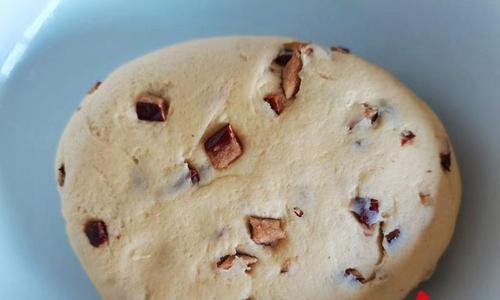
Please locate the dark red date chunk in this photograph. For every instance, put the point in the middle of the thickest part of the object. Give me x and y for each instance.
(365, 210)
(151, 108)
(94, 87)
(223, 147)
(354, 274)
(284, 56)
(287, 51)
(276, 101)
(371, 113)
(61, 175)
(290, 80)
(298, 212)
(194, 176)
(393, 235)
(445, 161)
(96, 232)
(266, 231)
(407, 137)
(226, 262)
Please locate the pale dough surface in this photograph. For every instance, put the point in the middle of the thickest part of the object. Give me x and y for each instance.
(167, 235)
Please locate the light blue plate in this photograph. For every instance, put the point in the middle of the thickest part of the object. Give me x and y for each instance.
(52, 51)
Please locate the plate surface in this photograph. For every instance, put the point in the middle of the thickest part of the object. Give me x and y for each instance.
(51, 51)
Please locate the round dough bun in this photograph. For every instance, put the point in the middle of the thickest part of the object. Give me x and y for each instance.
(256, 168)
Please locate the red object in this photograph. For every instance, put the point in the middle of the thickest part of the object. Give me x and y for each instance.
(421, 295)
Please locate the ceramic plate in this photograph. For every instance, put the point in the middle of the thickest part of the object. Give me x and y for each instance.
(51, 51)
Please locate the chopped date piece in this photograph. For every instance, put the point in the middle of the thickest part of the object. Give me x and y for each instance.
(407, 137)
(248, 260)
(299, 212)
(354, 274)
(285, 267)
(365, 210)
(94, 87)
(151, 108)
(223, 147)
(425, 199)
(290, 79)
(393, 235)
(296, 45)
(193, 174)
(371, 113)
(61, 175)
(266, 231)
(446, 161)
(276, 101)
(287, 52)
(340, 49)
(96, 232)
(227, 261)
(283, 57)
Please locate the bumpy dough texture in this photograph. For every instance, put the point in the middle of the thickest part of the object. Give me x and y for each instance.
(166, 235)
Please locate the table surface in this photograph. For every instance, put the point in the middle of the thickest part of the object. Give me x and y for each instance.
(51, 51)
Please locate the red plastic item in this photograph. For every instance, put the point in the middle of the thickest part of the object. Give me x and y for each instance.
(421, 295)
